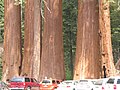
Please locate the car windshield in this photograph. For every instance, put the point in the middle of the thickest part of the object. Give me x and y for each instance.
(83, 81)
(118, 81)
(67, 82)
(46, 81)
(93, 82)
(17, 80)
(111, 81)
(99, 82)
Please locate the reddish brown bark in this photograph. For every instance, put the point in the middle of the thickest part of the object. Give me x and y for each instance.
(37, 39)
(52, 62)
(12, 40)
(28, 37)
(87, 51)
(105, 32)
(31, 61)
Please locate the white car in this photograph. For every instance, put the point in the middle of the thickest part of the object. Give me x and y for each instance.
(67, 85)
(113, 83)
(85, 84)
(100, 83)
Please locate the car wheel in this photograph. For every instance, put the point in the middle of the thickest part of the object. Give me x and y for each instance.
(28, 88)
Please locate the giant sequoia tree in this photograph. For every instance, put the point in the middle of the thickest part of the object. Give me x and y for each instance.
(52, 63)
(12, 40)
(37, 39)
(87, 51)
(32, 48)
(105, 40)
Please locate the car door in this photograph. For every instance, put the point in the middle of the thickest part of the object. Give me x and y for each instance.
(34, 82)
(28, 82)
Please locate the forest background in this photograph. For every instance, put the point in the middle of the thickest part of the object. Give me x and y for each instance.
(69, 31)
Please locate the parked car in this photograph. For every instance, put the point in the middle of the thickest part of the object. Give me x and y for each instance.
(67, 85)
(113, 83)
(49, 84)
(85, 84)
(22, 83)
(100, 83)
(3, 86)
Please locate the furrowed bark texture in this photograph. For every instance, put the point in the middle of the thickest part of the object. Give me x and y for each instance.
(52, 61)
(87, 51)
(12, 40)
(37, 39)
(106, 45)
(32, 48)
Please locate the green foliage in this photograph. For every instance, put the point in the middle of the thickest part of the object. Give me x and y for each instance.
(68, 73)
(17, 2)
(115, 26)
(1, 31)
(1, 20)
(69, 31)
(0, 68)
(22, 20)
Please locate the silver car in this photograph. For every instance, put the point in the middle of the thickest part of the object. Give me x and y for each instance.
(113, 83)
(85, 84)
(67, 85)
(100, 83)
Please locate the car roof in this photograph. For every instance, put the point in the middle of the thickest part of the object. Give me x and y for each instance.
(67, 81)
(21, 77)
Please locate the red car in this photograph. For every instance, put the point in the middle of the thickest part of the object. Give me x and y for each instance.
(23, 83)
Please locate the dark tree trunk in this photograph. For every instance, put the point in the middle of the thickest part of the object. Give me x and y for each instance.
(71, 54)
(37, 39)
(12, 40)
(52, 61)
(32, 47)
(105, 40)
(87, 51)
(28, 38)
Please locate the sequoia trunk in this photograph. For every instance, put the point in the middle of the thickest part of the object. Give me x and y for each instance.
(32, 48)
(52, 61)
(106, 45)
(87, 51)
(12, 40)
(37, 39)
